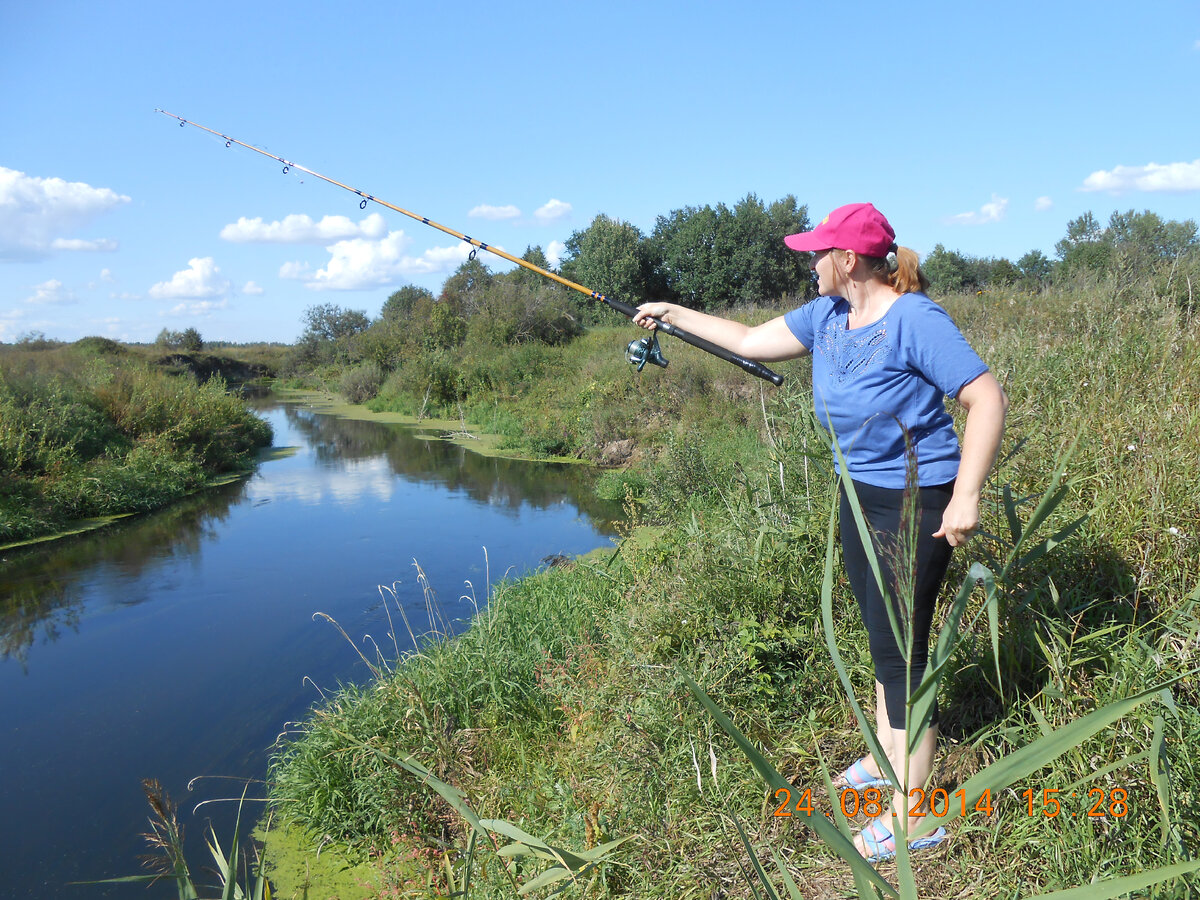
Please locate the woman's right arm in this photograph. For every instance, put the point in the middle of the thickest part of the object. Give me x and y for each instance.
(768, 342)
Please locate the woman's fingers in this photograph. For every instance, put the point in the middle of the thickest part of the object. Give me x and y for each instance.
(959, 522)
(647, 312)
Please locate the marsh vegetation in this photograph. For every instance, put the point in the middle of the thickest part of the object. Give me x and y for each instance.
(96, 429)
(565, 708)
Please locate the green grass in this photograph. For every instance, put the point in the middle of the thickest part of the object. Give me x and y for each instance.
(93, 430)
(565, 709)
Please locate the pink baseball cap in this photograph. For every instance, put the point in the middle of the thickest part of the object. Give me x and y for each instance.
(856, 226)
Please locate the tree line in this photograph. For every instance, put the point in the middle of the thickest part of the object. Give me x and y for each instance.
(1133, 246)
(709, 258)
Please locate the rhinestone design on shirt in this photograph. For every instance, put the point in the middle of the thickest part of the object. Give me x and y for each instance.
(850, 354)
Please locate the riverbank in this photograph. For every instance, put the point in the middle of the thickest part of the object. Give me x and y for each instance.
(563, 710)
(470, 436)
(93, 432)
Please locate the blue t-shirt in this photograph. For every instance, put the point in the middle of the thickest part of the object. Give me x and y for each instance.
(868, 382)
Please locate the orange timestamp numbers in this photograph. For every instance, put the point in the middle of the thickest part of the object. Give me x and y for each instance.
(941, 803)
(1113, 803)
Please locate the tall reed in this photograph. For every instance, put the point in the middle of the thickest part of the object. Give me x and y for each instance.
(976, 794)
(565, 709)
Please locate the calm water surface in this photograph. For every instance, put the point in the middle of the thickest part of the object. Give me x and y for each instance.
(179, 644)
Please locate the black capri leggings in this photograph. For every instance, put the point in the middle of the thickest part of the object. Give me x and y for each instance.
(882, 509)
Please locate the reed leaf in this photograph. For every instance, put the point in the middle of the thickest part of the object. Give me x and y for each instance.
(923, 697)
(861, 883)
(867, 540)
(553, 875)
(792, 888)
(1159, 778)
(1010, 514)
(907, 881)
(1028, 759)
(828, 832)
(768, 888)
(1120, 887)
(469, 866)
(992, 605)
(226, 866)
(1052, 497)
(868, 732)
(1051, 542)
(567, 863)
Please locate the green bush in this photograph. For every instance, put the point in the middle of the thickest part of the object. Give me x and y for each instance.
(617, 484)
(361, 383)
(87, 431)
(100, 345)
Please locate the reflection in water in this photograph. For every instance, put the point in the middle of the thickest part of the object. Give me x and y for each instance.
(504, 483)
(40, 591)
(178, 644)
(39, 586)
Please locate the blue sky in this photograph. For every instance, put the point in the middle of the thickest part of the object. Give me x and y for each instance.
(985, 127)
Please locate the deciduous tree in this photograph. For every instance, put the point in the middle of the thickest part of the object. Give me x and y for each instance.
(1035, 268)
(948, 270)
(329, 322)
(613, 258)
(399, 306)
(1086, 248)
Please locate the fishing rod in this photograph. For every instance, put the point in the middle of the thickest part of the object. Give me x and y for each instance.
(639, 352)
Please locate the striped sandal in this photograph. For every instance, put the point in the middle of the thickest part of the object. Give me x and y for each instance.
(858, 778)
(880, 844)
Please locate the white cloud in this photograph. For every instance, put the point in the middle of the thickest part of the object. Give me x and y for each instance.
(362, 264)
(51, 292)
(9, 323)
(295, 271)
(554, 252)
(441, 259)
(986, 214)
(495, 213)
(201, 308)
(100, 245)
(37, 214)
(252, 289)
(1173, 177)
(1041, 204)
(112, 325)
(107, 277)
(346, 485)
(300, 229)
(201, 280)
(552, 211)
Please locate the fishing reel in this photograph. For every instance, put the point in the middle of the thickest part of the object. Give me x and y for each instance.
(645, 350)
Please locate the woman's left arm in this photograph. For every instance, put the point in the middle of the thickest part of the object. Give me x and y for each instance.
(986, 406)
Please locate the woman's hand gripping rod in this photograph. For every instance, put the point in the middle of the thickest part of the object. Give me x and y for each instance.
(749, 365)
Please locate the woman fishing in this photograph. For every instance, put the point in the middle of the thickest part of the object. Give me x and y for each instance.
(884, 357)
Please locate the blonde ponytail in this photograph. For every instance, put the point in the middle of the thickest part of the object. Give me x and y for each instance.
(901, 269)
(908, 277)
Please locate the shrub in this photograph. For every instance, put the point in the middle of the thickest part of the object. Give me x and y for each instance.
(361, 383)
(100, 345)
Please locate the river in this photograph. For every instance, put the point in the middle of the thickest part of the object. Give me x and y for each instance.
(179, 644)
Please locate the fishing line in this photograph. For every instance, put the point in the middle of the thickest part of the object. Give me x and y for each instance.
(639, 352)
